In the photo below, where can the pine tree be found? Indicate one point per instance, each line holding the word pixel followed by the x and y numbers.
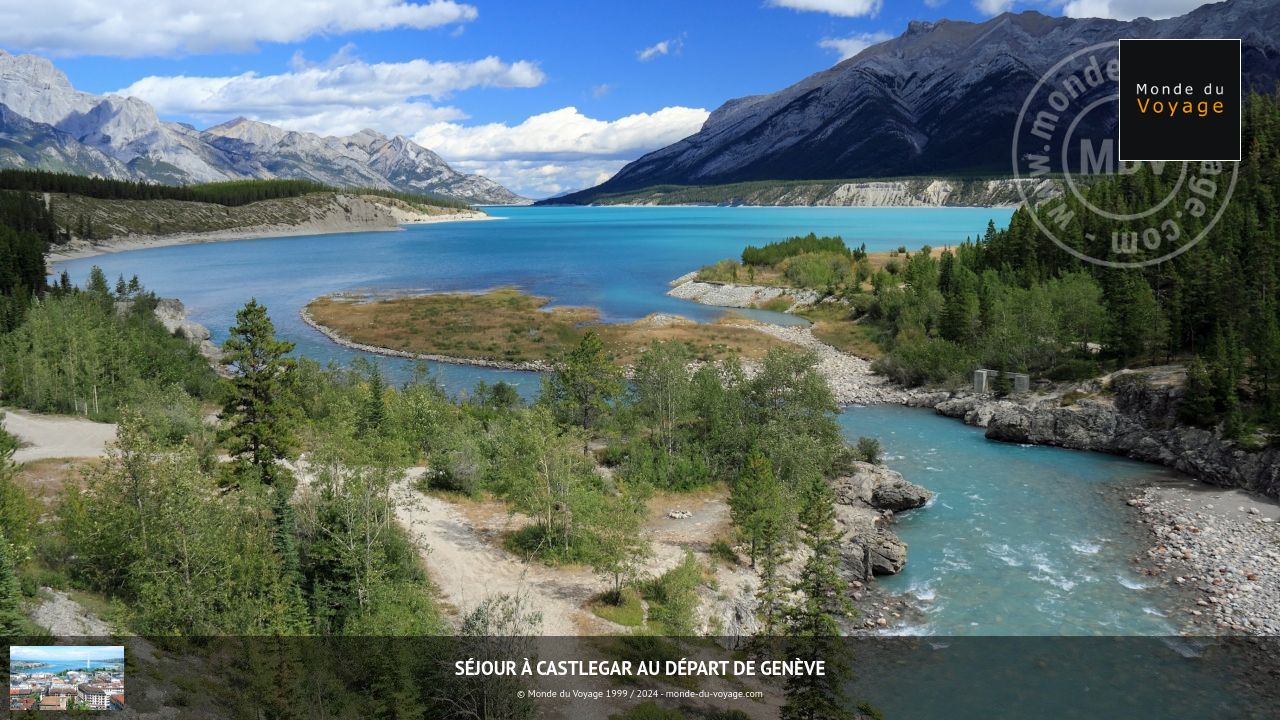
pixel 10 609
pixel 259 416
pixel 757 502
pixel 373 412
pixel 583 386
pixel 813 622
pixel 771 593
pixel 1198 406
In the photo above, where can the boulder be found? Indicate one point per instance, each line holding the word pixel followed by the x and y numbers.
pixel 878 553
pixel 898 495
pixel 173 316
pixel 879 487
pixel 887 553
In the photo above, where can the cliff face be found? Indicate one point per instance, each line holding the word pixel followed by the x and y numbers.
pixel 915 192
pixel 1136 419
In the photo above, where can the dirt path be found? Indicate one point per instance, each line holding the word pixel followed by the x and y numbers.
pixel 467 567
pixel 57 436
pixel 467 561
pixel 64 617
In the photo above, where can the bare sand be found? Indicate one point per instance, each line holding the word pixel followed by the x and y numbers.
pixel 57 436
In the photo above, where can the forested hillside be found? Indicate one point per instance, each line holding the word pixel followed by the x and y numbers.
pixel 1013 300
pixel 231 193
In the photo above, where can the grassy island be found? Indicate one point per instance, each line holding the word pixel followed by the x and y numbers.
pixel 509 326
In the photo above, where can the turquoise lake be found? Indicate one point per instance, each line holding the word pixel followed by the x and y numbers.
pixel 1020 540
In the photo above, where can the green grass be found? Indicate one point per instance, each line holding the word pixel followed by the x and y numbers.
pixel 629 612
pixel 833 326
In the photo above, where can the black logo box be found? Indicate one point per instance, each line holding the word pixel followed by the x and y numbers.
pixel 1190 64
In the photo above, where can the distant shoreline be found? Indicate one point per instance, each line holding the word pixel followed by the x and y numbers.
pixel 79 249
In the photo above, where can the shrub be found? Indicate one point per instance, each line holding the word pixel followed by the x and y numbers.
pixel 868 450
pixel 924 360
pixel 775 252
pixel 1072 370
pixel 722 271
pixel 653 466
pixel 818 270
pixel 673 598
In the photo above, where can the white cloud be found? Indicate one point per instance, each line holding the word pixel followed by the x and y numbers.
pixel 601 90
pixel 316 89
pixel 841 8
pixel 345 55
pixel 560 150
pixel 665 47
pixel 395 119
pixel 539 179
pixel 992 7
pixel 847 47
pixel 137 28
pixel 1129 9
pixel 564 134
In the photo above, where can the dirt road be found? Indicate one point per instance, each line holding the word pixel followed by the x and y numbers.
pixel 57 436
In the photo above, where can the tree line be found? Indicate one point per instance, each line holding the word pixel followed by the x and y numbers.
pixel 231 193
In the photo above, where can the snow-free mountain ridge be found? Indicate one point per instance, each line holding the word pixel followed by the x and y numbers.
pixel 939 100
pixel 45 123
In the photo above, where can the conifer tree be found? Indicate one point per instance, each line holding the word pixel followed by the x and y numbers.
pixel 813 621
pixel 758 503
pixel 259 417
pixel 1197 405
pixel 583 386
pixel 373 413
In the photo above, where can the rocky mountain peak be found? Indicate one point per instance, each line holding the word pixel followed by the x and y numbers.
pixel 47 123
pixel 940 99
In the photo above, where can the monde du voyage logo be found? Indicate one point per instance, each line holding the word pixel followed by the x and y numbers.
pixel 1167 112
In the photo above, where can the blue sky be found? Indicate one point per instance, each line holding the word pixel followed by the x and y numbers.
pixel 65 653
pixel 542 95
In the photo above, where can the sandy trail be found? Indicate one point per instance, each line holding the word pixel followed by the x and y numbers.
pixel 465 557
pixel 57 436
pixel 467 567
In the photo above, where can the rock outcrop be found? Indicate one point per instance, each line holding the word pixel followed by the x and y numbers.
pixel 1131 414
pixel 741 296
pixel 173 316
pixel 866 500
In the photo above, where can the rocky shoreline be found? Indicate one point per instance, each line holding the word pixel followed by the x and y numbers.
pixel 1222 549
pixel 342 214
pixel 732 295
pixel 850 376
pixel 1127 413
pixel 868 500
pixel 526 365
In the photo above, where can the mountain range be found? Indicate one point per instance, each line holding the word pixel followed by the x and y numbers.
pixel 45 123
pixel 940 99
